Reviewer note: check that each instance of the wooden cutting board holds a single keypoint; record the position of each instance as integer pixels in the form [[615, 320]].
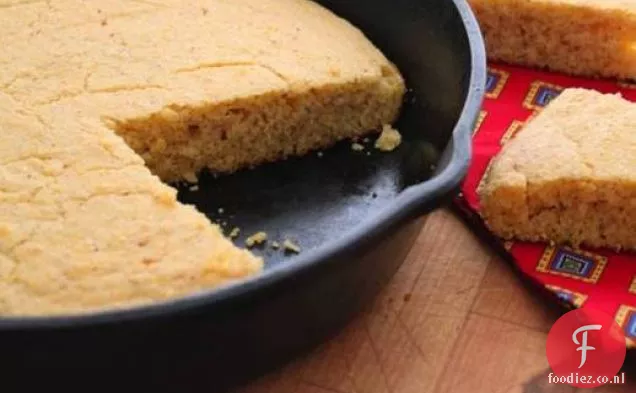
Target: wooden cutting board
[[455, 318]]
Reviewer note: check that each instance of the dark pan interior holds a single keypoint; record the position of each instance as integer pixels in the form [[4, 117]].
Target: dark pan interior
[[316, 199]]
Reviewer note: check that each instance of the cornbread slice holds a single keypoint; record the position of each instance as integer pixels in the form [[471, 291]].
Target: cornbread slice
[[569, 176], [101, 100], [594, 38]]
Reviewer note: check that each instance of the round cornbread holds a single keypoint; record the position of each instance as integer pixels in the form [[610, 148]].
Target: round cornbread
[[102, 102]]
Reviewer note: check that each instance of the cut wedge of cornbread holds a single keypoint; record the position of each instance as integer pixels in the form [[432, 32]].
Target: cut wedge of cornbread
[[101, 100], [582, 37], [569, 176]]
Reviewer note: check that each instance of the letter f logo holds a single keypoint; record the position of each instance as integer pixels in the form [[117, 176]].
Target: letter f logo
[[583, 344]]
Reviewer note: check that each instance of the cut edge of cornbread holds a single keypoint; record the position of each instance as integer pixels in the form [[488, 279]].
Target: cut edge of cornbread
[[228, 136], [568, 176], [589, 38]]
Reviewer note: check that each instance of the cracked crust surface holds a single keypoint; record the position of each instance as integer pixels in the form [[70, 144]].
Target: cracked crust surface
[[583, 37], [99, 100], [568, 176]]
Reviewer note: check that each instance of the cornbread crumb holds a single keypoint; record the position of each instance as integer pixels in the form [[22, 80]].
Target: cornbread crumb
[[290, 246], [357, 147], [234, 233], [275, 245], [190, 177], [256, 239], [389, 139], [194, 188], [584, 37], [568, 176]]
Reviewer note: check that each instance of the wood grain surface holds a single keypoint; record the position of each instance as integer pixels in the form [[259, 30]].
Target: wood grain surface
[[455, 318]]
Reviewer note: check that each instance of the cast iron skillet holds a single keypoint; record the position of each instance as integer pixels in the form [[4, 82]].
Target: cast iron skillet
[[354, 215]]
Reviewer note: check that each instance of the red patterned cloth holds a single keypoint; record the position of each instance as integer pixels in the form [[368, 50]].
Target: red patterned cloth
[[592, 277]]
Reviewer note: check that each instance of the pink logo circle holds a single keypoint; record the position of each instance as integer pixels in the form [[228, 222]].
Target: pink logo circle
[[585, 348]]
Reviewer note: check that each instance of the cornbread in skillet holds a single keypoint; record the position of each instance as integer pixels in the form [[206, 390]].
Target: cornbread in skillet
[[569, 176], [101, 100], [581, 37]]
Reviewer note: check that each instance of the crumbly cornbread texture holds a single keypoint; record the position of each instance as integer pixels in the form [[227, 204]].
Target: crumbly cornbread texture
[[99, 100], [389, 139], [569, 176], [581, 37]]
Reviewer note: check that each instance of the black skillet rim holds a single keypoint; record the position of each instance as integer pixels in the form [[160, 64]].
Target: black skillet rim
[[406, 204]]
